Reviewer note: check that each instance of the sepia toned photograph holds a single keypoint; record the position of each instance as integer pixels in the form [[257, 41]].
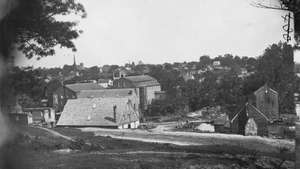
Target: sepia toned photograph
[[149, 84]]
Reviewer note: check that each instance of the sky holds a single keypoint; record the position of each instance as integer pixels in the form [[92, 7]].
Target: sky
[[159, 31]]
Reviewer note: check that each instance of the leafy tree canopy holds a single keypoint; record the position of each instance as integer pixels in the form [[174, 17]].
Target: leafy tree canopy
[[37, 29]]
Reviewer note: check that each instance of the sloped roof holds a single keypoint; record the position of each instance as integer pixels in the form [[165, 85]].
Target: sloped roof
[[97, 112], [265, 88], [250, 107], [77, 87], [142, 80], [105, 93]]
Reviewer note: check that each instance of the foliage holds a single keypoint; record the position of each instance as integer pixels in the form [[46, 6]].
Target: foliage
[[27, 84], [37, 28], [213, 87], [276, 68], [225, 87]]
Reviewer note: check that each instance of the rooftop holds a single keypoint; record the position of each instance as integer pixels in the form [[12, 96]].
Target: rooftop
[[97, 112], [77, 87], [106, 93], [142, 80]]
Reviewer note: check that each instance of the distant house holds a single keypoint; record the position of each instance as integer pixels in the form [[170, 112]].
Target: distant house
[[267, 102], [119, 73], [187, 75], [216, 63], [111, 108], [145, 84], [40, 115], [105, 83], [61, 94], [243, 73], [255, 120]]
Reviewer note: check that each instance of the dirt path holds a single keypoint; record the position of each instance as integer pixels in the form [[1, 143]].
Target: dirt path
[[56, 134], [190, 138]]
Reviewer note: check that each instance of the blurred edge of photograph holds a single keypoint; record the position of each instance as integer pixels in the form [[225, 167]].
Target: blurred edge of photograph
[[221, 111]]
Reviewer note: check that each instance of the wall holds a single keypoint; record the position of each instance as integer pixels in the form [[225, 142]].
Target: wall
[[62, 94], [267, 103], [122, 83], [261, 122], [151, 93]]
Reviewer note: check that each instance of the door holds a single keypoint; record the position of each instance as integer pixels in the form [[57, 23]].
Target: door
[[251, 127]]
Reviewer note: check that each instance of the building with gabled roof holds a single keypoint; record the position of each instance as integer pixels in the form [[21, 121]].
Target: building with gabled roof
[[109, 112], [112, 108], [249, 115], [267, 102], [255, 120], [144, 84], [107, 93], [136, 82], [77, 87]]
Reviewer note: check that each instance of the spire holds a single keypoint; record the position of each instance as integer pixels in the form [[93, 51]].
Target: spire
[[74, 64]]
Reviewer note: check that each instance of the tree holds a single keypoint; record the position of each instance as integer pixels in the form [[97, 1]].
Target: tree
[[276, 68], [37, 29], [204, 61], [27, 84]]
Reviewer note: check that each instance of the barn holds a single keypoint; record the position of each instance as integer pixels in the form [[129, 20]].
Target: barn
[[111, 108], [144, 84]]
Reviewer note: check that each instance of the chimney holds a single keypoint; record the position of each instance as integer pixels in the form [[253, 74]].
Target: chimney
[[115, 113]]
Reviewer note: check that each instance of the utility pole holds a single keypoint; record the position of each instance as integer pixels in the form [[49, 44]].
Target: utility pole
[[287, 27]]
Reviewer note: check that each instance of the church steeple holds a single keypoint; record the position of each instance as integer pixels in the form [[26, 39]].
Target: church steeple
[[74, 64]]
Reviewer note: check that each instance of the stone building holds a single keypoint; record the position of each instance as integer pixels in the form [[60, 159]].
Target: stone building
[[145, 85]]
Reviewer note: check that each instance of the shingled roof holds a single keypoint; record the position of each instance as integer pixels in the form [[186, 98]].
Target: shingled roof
[[97, 112], [252, 108], [142, 80], [265, 88], [106, 93], [77, 87]]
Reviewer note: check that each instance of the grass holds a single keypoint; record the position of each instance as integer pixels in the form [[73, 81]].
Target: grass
[[34, 148]]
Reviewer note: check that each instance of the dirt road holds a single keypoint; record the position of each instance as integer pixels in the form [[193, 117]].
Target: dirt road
[[190, 138], [56, 134]]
